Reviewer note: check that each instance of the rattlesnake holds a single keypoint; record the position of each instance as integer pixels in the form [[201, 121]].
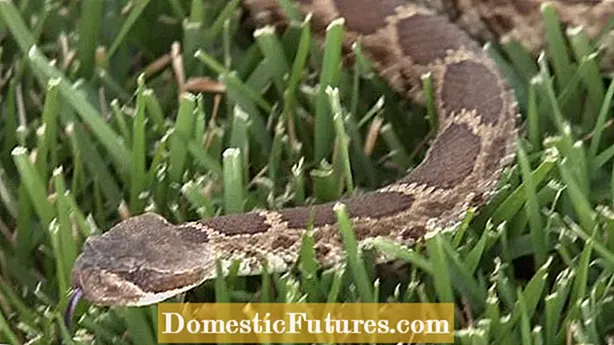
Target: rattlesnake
[[145, 259]]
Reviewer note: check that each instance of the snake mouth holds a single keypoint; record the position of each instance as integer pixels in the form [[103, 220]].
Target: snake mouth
[[139, 261], [127, 284], [109, 289], [104, 288]]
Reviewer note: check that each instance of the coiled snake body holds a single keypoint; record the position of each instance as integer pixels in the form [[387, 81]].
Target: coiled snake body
[[145, 259]]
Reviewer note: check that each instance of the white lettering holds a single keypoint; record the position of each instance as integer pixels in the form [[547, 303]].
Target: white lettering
[[403, 326], [295, 322], [417, 326], [168, 323], [437, 326], [193, 326]]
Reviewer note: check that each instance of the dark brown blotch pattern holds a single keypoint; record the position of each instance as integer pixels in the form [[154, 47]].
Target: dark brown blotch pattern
[[300, 217], [321, 251], [237, 224], [192, 233], [438, 207], [413, 233], [500, 23], [425, 38], [377, 205], [374, 205], [450, 160], [283, 241], [472, 86], [366, 16], [495, 154], [526, 7]]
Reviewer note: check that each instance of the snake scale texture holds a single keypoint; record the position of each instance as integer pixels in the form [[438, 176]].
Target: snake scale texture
[[145, 259]]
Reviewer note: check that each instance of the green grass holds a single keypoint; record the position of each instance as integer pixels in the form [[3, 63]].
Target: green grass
[[93, 131]]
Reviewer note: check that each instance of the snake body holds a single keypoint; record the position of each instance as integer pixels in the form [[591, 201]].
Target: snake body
[[145, 259]]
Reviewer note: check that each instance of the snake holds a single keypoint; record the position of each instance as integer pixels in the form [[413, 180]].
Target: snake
[[146, 259]]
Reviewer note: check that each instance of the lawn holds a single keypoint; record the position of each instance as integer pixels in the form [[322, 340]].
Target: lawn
[[113, 108]]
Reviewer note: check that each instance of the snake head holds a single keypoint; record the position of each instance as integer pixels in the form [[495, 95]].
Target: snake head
[[140, 261]]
